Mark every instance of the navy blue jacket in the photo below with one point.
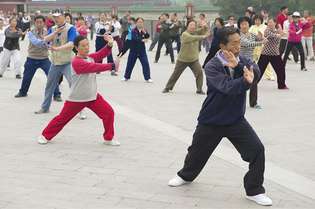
(226, 97)
(136, 43)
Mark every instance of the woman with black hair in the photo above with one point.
(219, 24)
(139, 37)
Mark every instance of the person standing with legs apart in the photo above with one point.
(11, 47)
(189, 56)
(229, 76)
(139, 37)
(271, 54)
(307, 37)
(37, 57)
(165, 38)
(295, 38)
(248, 43)
(61, 37)
(84, 92)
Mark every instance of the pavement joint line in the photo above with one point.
(274, 173)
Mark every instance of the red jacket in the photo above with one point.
(295, 27)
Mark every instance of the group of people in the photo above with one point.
(238, 56)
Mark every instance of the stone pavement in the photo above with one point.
(77, 171)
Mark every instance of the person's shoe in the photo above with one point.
(41, 111)
(304, 69)
(19, 95)
(113, 73)
(155, 61)
(312, 59)
(177, 181)
(260, 199)
(284, 88)
(149, 81)
(271, 78)
(18, 76)
(124, 79)
(200, 92)
(166, 91)
(1, 76)
(42, 140)
(57, 99)
(257, 107)
(82, 116)
(112, 143)
(173, 62)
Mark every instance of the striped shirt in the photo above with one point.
(271, 48)
(248, 43)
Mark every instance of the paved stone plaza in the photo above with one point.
(76, 171)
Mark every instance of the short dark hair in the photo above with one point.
(133, 19)
(77, 41)
(221, 21)
(189, 21)
(283, 8)
(224, 34)
(202, 14)
(260, 17)
(80, 18)
(39, 17)
(230, 16)
(243, 19)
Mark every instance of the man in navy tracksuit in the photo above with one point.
(229, 76)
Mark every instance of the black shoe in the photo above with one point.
(18, 95)
(200, 92)
(173, 62)
(304, 69)
(18, 76)
(1, 76)
(155, 61)
(57, 99)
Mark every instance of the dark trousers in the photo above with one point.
(178, 43)
(169, 48)
(132, 58)
(99, 44)
(279, 68)
(283, 46)
(154, 41)
(30, 68)
(299, 47)
(207, 137)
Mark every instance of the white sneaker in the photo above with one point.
(124, 79)
(82, 116)
(177, 181)
(42, 140)
(149, 81)
(112, 143)
(261, 199)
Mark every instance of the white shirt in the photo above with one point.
(286, 26)
(2, 36)
(117, 27)
(101, 25)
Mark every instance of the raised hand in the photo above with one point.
(249, 75)
(230, 57)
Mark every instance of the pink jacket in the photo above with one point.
(295, 27)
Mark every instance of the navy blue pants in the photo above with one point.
(132, 58)
(30, 68)
(99, 44)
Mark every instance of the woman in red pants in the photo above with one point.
(84, 91)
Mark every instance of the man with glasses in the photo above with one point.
(60, 37)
